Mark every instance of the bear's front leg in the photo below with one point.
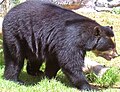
(52, 67)
(71, 62)
(33, 64)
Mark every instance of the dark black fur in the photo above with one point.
(39, 31)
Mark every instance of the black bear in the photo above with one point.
(39, 31)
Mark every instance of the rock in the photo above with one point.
(114, 3)
(92, 66)
(101, 3)
(88, 6)
(107, 3)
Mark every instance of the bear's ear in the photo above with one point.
(97, 31)
(111, 27)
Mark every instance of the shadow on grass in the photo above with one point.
(30, 80)
(33, 80)
(63, 79)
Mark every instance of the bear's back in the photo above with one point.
(42, 10)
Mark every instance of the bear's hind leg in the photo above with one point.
(14, 61)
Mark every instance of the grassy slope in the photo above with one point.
(61, 84)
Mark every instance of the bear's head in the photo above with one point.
(103, 42)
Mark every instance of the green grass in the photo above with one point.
(109, 78)
(61, 83)
(35, 84)
(116, 10)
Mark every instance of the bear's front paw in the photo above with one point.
(86, 87)
(20, 82)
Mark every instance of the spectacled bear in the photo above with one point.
(39, 31)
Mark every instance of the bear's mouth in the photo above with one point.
(108, 55)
